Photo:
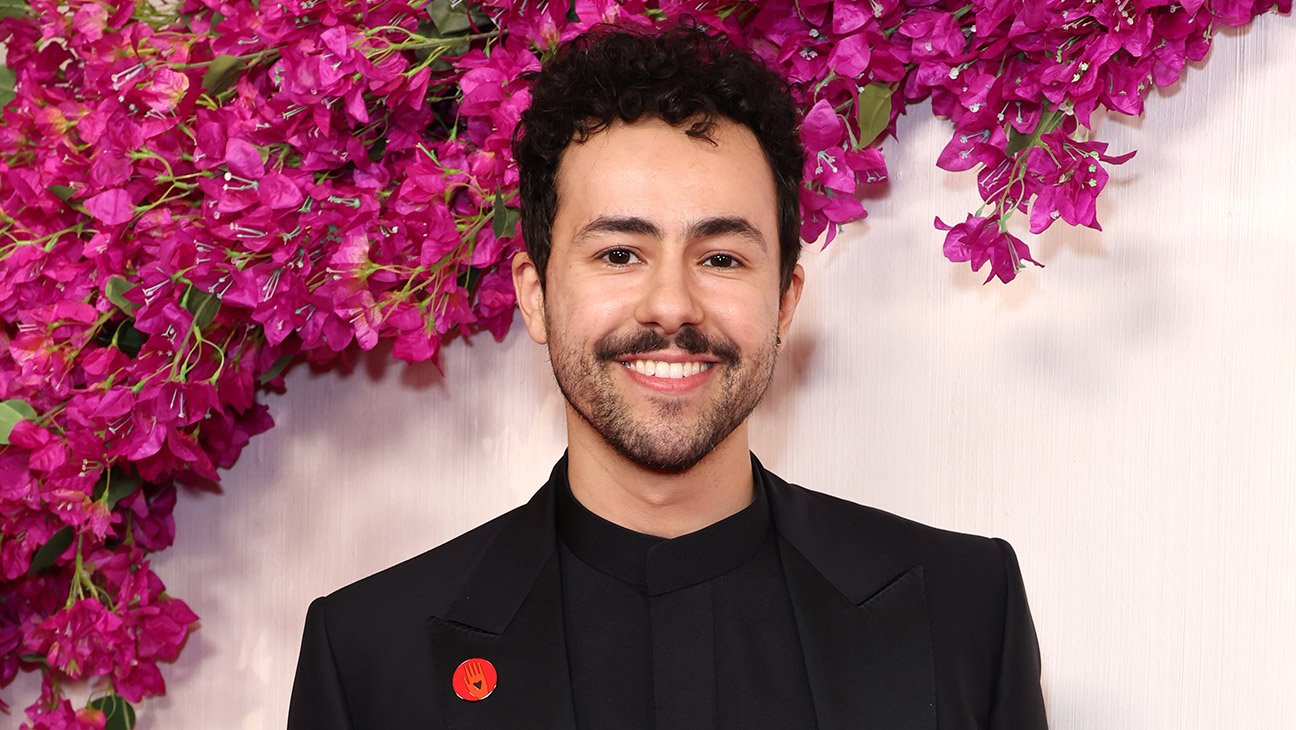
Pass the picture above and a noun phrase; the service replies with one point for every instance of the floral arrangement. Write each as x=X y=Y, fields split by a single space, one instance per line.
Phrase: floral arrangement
x=195 y=195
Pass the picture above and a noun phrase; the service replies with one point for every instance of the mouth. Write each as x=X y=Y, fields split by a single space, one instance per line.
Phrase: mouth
x=668 y=373
x=668 y=370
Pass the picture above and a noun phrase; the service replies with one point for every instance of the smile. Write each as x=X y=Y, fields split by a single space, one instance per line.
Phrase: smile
x=669 y=370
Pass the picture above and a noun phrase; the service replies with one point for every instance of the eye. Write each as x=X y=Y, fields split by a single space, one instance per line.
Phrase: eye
x=619 y=256
x=721 y=261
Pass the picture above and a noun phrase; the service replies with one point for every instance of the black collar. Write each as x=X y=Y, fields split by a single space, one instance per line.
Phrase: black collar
x=659 y=564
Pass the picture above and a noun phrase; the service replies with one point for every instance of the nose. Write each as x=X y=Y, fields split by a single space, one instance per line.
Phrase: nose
x=670 y=298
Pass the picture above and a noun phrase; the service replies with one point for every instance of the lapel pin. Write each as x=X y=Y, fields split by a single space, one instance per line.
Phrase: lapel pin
x=474 y=679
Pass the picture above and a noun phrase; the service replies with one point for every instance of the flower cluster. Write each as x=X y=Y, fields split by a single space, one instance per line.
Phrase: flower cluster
x=1021 y=86
x=194 y=196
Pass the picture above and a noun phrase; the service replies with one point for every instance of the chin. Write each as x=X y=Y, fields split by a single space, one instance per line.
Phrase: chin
x=666 y=463
x=660 y=449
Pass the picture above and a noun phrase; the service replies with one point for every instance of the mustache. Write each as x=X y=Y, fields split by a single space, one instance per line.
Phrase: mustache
x=690 y=339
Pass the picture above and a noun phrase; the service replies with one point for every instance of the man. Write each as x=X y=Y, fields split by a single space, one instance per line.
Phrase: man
x=662 y=578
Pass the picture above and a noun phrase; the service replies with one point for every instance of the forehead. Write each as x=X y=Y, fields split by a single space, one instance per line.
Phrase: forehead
x=653 y=170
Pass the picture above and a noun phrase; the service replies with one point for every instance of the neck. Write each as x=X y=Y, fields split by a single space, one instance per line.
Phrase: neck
x=653 y=502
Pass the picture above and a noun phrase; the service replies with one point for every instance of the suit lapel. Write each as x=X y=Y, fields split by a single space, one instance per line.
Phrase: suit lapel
x=869 y=666
x=861 y=614
x=509 y=612
x=862 y=617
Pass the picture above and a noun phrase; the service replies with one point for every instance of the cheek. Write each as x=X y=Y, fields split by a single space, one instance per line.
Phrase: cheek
x=746 y=316
x=588 y=310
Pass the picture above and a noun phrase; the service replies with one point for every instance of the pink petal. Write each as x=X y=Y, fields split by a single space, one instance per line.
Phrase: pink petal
x=243 y=159
x=822 y=127
x=278 y=192
x=111 y=207
x=851 y=56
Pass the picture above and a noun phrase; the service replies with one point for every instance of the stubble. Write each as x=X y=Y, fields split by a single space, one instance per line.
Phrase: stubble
x=666 y=439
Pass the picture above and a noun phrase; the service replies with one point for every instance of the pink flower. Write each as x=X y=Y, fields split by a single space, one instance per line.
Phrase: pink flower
x=322 y=199
x=496 y=301
x=979 y=142
x=933 y=33
x=85 y=639
x=33 y=527
x=152 y=523
x=75 y=508
x=63 y=717
x=850 y=56
x=112 y=207
x=980 y=239
x=1072 y=176
x=90 y=21
x=822 y=127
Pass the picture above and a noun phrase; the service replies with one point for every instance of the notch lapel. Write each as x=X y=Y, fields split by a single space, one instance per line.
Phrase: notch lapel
x=870 y=666
x=862 y=617
x=509 y=612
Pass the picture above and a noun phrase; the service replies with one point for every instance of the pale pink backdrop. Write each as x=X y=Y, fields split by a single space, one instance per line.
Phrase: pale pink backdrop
x=1125 y=417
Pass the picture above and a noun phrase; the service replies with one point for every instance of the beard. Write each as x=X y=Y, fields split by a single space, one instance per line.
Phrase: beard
x=666 y=439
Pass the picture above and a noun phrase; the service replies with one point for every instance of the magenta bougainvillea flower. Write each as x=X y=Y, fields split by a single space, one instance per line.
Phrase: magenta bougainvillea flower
x=192 y=197
x=979 y=239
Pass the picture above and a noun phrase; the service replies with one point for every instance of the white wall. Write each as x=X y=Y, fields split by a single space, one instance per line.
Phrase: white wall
x=1125 y=417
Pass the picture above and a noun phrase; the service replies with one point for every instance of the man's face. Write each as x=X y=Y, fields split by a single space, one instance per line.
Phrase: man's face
x=661 y=307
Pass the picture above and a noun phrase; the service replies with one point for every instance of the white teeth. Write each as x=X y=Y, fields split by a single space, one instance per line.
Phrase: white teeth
x=672 y=370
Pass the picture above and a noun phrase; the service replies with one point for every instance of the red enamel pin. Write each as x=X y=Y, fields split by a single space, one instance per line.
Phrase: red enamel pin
x=474 y=679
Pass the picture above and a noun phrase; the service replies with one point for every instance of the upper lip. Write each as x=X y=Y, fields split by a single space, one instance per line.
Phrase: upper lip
x=667 y=356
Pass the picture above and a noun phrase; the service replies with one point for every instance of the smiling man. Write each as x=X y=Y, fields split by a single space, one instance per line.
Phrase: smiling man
x=662 y=577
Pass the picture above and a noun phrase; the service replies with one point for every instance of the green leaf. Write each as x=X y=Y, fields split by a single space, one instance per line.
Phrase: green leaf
x=64 y=192
x=123 y=486
x=221 y=74
x=503 y=218
x=119 y=485
x=873 y=112
x=115 y=287
x=449 y=17
x=1017 y=141
x=469 y=279
x=128 y=339
x=13 y=8
x=7 y=82
x=499 y=215
x=11 y=412
x=123 y=336
x=378 y=149
x=49 y=552
x=119 y=713
x=202 y=305
x=21 y=406
x=276 y=368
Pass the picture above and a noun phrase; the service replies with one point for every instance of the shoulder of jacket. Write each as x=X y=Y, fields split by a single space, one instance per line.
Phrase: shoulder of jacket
x=419 y=586
x=855 y=528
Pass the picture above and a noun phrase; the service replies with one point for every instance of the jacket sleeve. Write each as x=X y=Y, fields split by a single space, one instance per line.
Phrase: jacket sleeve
x=318 y=702
x=1018 y=700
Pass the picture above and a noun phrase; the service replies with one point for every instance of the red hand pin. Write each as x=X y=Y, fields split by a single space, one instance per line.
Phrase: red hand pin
x=474 y=679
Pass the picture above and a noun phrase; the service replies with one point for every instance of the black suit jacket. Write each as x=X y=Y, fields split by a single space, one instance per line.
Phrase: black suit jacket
x=904 y=626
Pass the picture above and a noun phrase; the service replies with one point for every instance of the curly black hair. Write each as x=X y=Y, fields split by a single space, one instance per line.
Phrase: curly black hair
x=677 y=74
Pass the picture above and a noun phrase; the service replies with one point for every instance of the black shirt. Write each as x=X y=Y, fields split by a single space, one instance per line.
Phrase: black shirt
x=691 y=632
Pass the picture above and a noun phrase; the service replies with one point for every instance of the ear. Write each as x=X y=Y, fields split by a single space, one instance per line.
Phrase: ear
x=788 y=302
x=530 y=296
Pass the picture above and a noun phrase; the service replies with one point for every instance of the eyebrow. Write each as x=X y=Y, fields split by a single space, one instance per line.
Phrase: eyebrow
x=704 y=228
